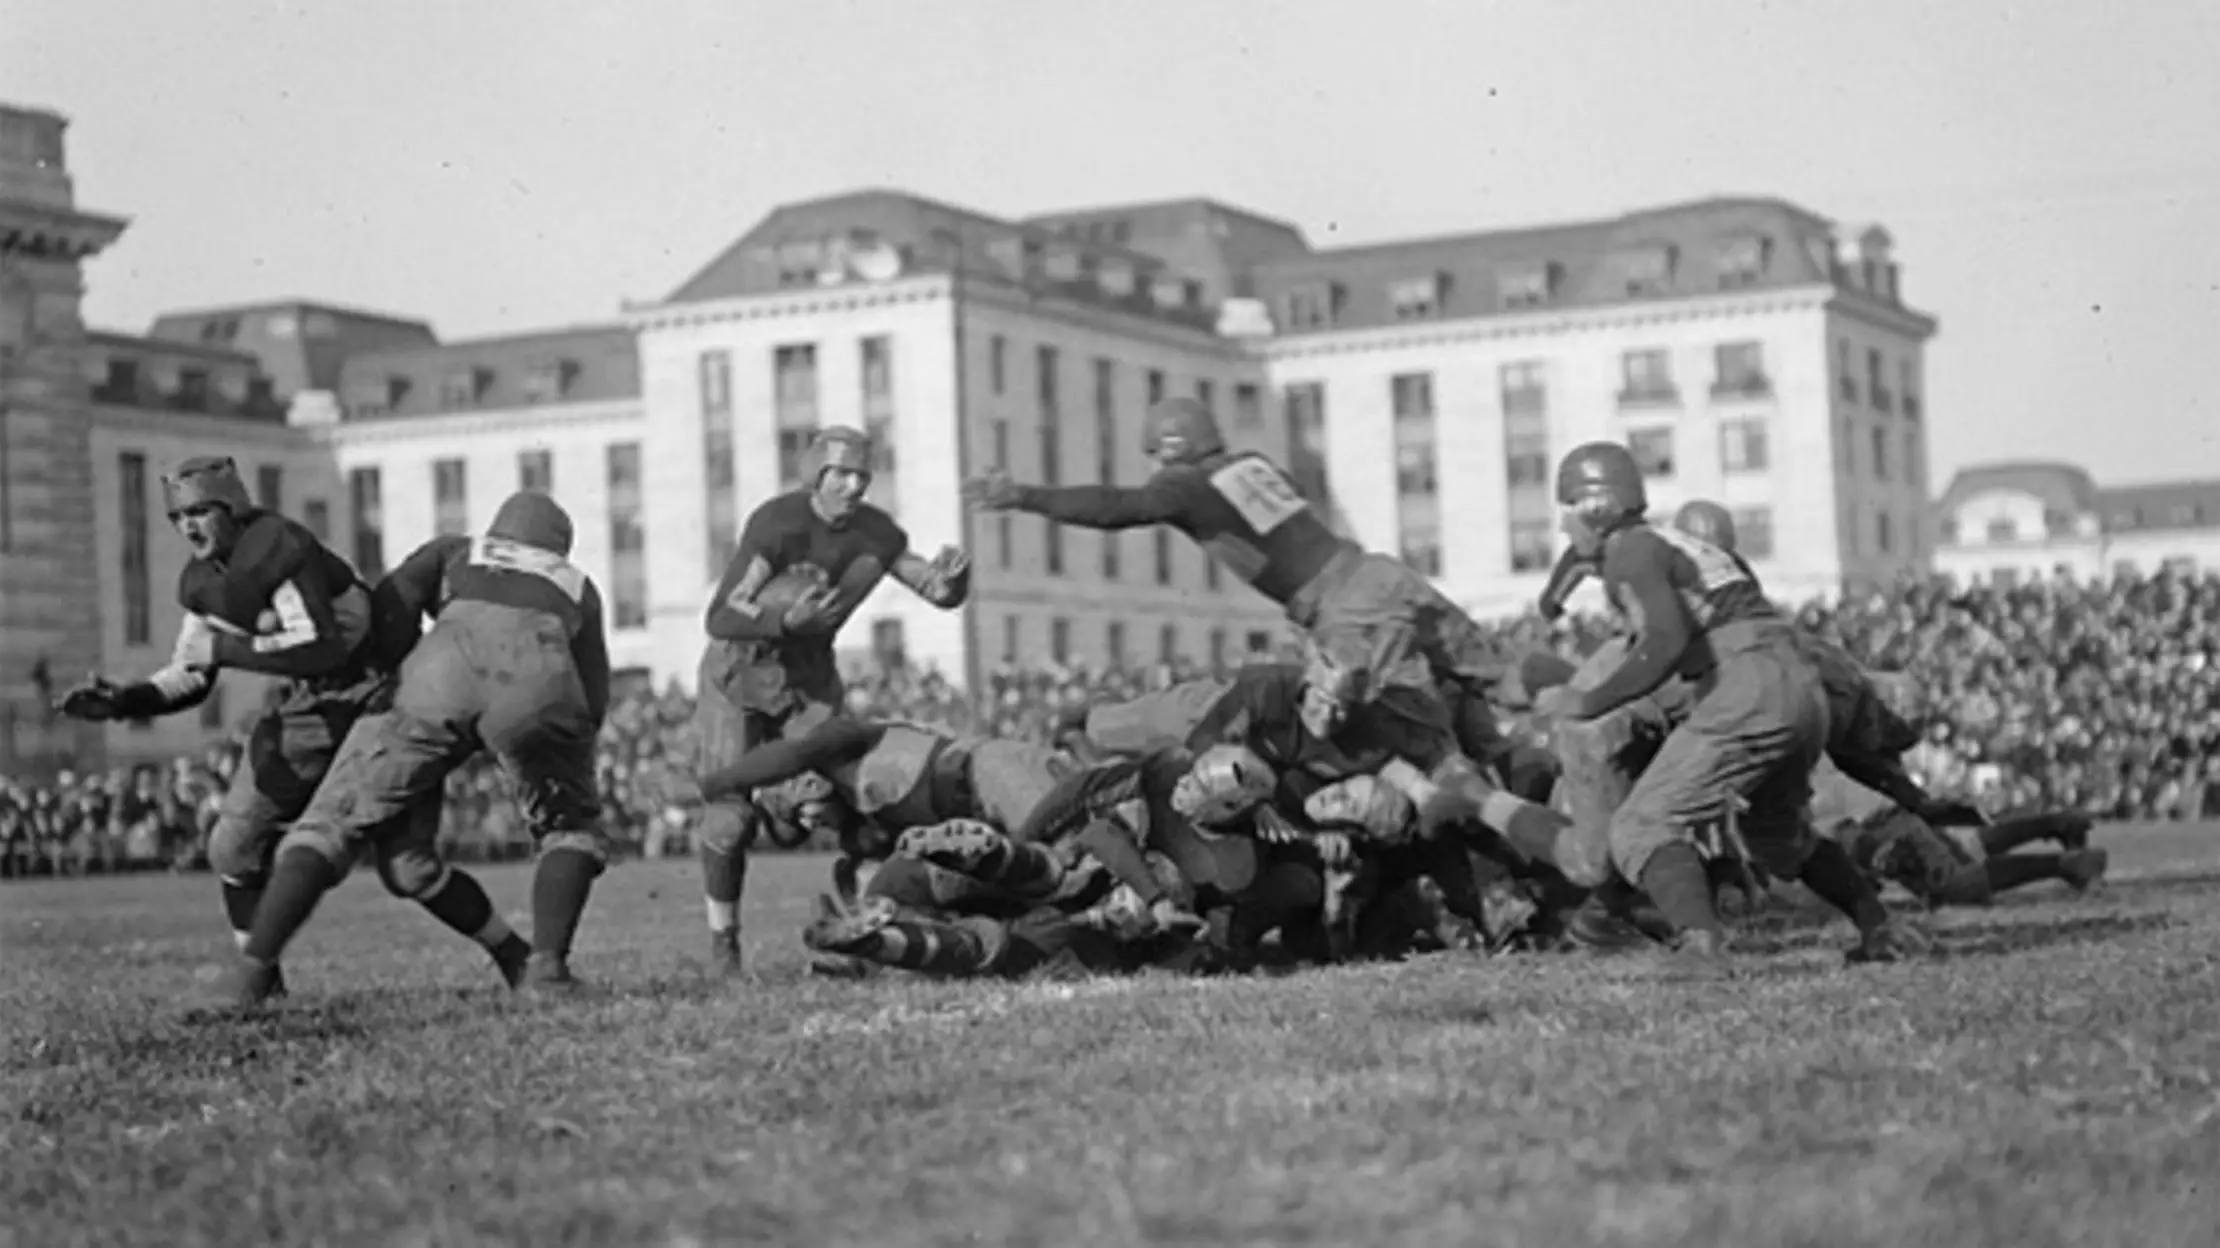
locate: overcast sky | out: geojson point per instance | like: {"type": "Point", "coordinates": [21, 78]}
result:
{"type": "Point", "coordinates": [2050, 169]}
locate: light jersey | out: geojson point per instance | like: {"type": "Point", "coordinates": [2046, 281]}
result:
{"type": "Point", "coordinates": [1716, 587]}
{"type": "Point", "coordinates": [511, 574]}
{"type": "Point", "coordinates": [1262, 528]}
{"type": "Point", "coordinates": [892, 785]}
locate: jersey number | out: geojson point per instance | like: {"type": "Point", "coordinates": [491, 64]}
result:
{"type": "Point", "coordinates": [1261, 494]}
{"type": "Point", "coordinates": [507, 556]}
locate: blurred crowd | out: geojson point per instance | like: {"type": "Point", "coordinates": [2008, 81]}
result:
{"type": "Point", "coordinates": [2099, 696]}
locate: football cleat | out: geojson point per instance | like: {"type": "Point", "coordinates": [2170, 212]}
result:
{"type": "Point", "coordinates": [2083, 867]}
{"type": "Point", "coordinates": [835, 928]}
{"type": "Point", "coordinates": [547, 972]}
{"type": "Point", "coordinates": [513, 959]}
{"type": "Point", "coordinates": [724, 952]}
{"type": "Point", "coordinates": [246, 985]}
{"type": "Point", "coordinates": [958, 845]}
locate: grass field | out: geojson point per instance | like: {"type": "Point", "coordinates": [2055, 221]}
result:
{"type": "Point", "coordinates": [2050, 1079]}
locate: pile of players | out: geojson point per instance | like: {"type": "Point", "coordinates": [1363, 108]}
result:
{"type": "Point", "coordinates": [1361, 803]}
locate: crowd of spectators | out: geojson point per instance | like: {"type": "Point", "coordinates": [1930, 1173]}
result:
{"type": "Point", "coordinates": [2098, 696]}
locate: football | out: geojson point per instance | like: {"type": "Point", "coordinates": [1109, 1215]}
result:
{"type": "Point", "coordinates": [788, 587]}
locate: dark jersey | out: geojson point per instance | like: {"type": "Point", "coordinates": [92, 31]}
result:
{"type": "Point", "coordinates": [1262, 710]}
{"type": "Point", "coordinates": [787, 533]}
{"type": "Point", "coordinates": [1135, 795]}
{"type": "Point", "coordinates": [281, 603]}
{"type": "Point", "coordinates": [1241, 508]}
{"type": "Point", "coordinates": [1674, 590]}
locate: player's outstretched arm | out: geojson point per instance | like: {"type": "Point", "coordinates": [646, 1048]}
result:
{"type": "Point", "coordinates": [182, 683]}
{"type": "Point", "coordinates": [1163, 500]}
{"type": "Point", "coordinates": [1637, 567]}
{"type": "Point", "coordinates": [944, 580]}
{"type": "Point", "coordinates": [734, 614]}
{"type": "Point", "coordinates": [832, 743]}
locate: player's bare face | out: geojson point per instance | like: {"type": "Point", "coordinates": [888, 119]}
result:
{"type": "Point", "coordinates": [839, 490]}
{"type": "Point", "coordinates": [208, 529]}
{"type": "Point", "coordinates": [821, 818]}
{"type": "Point", "coordinates": [1322, 712]}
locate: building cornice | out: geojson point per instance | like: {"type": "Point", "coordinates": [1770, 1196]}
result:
{"type": "Point", "coordinates": [56, 232]}
{"type": "Point", "coordinates": [855, 297]}
{"type": "Point", "coordinates": [1544, 324]}
{"type": "Point", "coordinates": [199, 426]}
{"type": "Point", "coordinates": [1009, 297]}
{"type": "Point", "coordinates": [1884, 316]}
{"type": "Point", "coordinates": [501, 422]}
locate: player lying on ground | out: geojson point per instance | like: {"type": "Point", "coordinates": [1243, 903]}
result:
{"type": "Point", "coordinates": [1756, 726]}
{"type": "Point", "coordinates": [806, 560]}
{"type": "Point", "coordinates": [1248, 515]}
{"type": "Point", "coordinates": [887, 777]}
{"type": "Point", "coordinates": [261, 594]}
{"type": "Point", "coordinates": [516, 664]}
{"type": "Point", "coordinates": [1933, 860]}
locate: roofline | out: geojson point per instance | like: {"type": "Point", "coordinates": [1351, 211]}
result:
{"type": "Point", "coordinates": [319, 305]}
{"type": "Point", "coordinates": [1145, 205]}
{"type": "Point", "coordinates": [118, 338]}
{"type": "Point", "coordinates": [36, 110]}
{"type": "Point", "coordinates": [468, 344]}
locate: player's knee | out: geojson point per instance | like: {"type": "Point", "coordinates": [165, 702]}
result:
{"type": "Point", "coordinates": [589, 842]}
{"type": "Point", "coordinates": [241, 850]}
{"type": "Point", "coordinates": [411, 873]}
{"type": "Point", "coordinates": [726, 829]}
{"type": "Point", "coordinates": [1584, 855]}
{"type": "Point", "coordinates": [1634, 840]}
{"type": "Point", "coordinates": [323, 841]}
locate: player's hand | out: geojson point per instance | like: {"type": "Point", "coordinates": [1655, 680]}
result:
{"type": "Point", "coordinates": [1166, 915]}
{"type": "Point", "coordinates": [811, 614]}
{"type": "Point", "coordinates": [944, 572]}
{"type": "Point", "coordinates": [994, 491]}
{"type": "Point", "coordinates": [1334, 848]}
{"type": "Point", "coordinates": [1557, 702]}
{"type": "Point", "coordinates": [94, 700]}
{"type": "Point", "coordinates": [1274, 828]}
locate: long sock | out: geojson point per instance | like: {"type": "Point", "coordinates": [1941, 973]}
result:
{"type": "Point", "coordinates": [461, 903]}
{"type": "Point", "coordinates": [2014, 870]}
{"type": "Point", "coordinates": [560, 886]}
{"type": "Point", "coordinates": [1674, 878]}
{"type": "Point", "coordinates": [241, 898]}
{"type": "Point", "coordinates": [301, 879]}
{"type": "Point", "coordinates": [914, 944]}
{"type": "Point", "coordinates": [2007, 835]}
{"type": "Point", "coordinates": [1830, 873]}
{"type": "Point", "coordinates": [723, 876]}
{"type": "Point", "coordinates": [1019, 867]}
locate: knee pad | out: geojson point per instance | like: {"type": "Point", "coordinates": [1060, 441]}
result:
{"type": "Point", "coordinates": [726, 829]}
{"type": "Point", "coordinates": [411, 874]}
{"type": "Point", "coordinates": [590, 844]}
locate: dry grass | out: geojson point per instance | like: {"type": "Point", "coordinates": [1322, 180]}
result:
{"type": "Point", "coordinates": [2050, 1080]}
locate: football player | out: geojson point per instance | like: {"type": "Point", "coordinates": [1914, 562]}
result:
{"type": "Point", "coordinates": [261, 594]}
{"type": "Point", "coordinates": [516, 664]}
{"type": "Point", "coordinates": [1247, 514]}
{"type": "Point", "coordinates": [767, 674]}
{"type": "Point", "coordinates": [1892, 843]}
{"type": "Point", "coordinates": [1756, 726]}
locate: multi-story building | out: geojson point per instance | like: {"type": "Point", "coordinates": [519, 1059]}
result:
{"type": "Point", "coordinates": [2031, 519]}
{"type": "Point", "coordinates": [1748, 351]}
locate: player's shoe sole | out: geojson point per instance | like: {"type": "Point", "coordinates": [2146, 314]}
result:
{"type": "Point", "coordinates": [958, 845]}
{"type": "Point", "coordinates": [838, 929]}
{"type": "Point", "coordinates": [2084, 867]}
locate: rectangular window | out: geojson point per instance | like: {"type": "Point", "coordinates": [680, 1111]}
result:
{"type": "Point", "coordinates": [1739, 371]}
{"type": "Point", "coordinates": [1011, 634]}
{"type": "Point", "coordinates": [875, 359]}
{"type": "Point", "coordinates": [628, 606]}
{"type": "Point", "coordinates": [794, 379]}
{"type": "Point", "coordinates": [1531, 542]}
{"type": "Point", "coordinates": [1155, 386]}
{"type": "Point", "coordinates": [1417, 472]}
{"type": "Point", "coordinates": [366, 505]}
{"type": "Point", "coordinates": [998, 364]}
{"type": "Point", "coordinates": [316, 514]}
{"type": "Point", "coordinates": [1306, 440]}
{"type": "Point", "coordinates": [1207, 395]}
{"type": "Point", "coordinates": [458, 390]}
{"type": "Point", "coordinates": [1248, 406]}
{"type": "Point", "coordinates": [1217, 649]}
{"type": "Point", "coordinates": [1743, 446]}
{"type": "Point", "coordinates": [1059, 639]}
{"type": "Point", "coordinates": [1113, 643]}
{"type": "Point", "coordinates": [450, 497]}
{"type": "Point", "coordinates": [1415, 298]}
{"type": "Point", "coordinates": [1876, 389]}
{"type": "Point", "coordinates": [1653, 450]}
{"type": "Point", "coordinates": [1884, 531]}
{"type": "Point", "coordinates": [138, 579]}
{"type": "Point", "coordinates": [1880, 453]}
{"type": "Point", "coordinates": [1646, 377]}
{"type": "Point", "coordinates": [192, 389]}
{"type": "Point", "coordinates": [1525, 388]}
{"type": "Point", "coordinates": [535, 470]}
{"type": "Point", "coordinates": [1846, 377]}
{"type": "Point", "coordinates": [269, 488]}
{"type": "Point", "coordinates": [1163, 555]}
{"type": "Point", "coordinates": [1106, 453]}
{"type": "Point", "coordinates": [1907, 389]}
{"type": "Point", "coordinates": [1167, 644]}
{"type": "Point", "coordinates": [1753, 532]}
{"type": "Point", "coordinates": [887, 645]}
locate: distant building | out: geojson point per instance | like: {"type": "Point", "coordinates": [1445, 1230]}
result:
{"type": "Point", "coordinates": [2010, 521]}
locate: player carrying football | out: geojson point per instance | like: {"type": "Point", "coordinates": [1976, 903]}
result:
{"type": "Point", "coordinates": [261, 594]}
{"type": "Point", "coordinates": [517, 664]}
{"type": "Point", "coordinates": [1757, 725]}
{"type": "Point", "coordinates": [768, 673]}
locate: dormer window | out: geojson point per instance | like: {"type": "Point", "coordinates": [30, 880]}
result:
{"type": "Point", "coordinates": [798, 263]}
{"type": "Point", "coordinates": [1067, 264]}
{"type": "Point", "coordinates": [1116, 279]}
{"type": "Point", "coordinates": [545, 381]}
{"type": "Point", "coordinates": [1529, 284]}
{"type": "Point", "coordinates": [1649, 270]}
{"type": "Point", "coordinates": [1313, 306]}
{"type": "Point", "coordinates": [1172, 292]}
{"type": "Point", "coordinates": [462, 388]}
{"type": "Point", "coordinates": [1743, 260]}
{"type": "Point", "coordinates": [1417, 298]}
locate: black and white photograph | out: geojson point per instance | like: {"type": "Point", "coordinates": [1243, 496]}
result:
{"type": "Point", "coordinates": [1262, 622]}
